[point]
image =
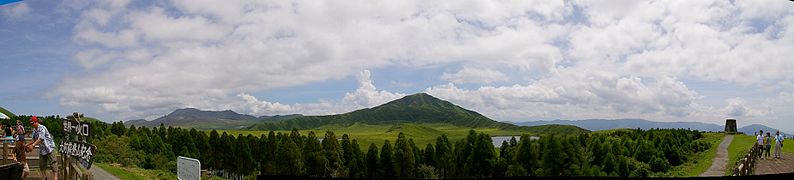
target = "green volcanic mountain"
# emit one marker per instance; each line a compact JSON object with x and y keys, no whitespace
{"x":418,"y":108}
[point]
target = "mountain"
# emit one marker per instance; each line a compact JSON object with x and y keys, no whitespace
{"x":604,"y":124}
{"x":418,"y":108}
{"x":753,"y":129}
{"x":194,"y":118}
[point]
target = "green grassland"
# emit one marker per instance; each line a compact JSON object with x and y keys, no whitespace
{"x":738,"y":148}
{"x":698,"y":162}
{"x":378,"y":133}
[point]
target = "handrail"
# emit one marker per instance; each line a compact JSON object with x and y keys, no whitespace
{"x":746,"y":165}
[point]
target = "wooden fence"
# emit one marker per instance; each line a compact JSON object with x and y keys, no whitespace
{"x":68,"y":167}
{"x":746,"y":165}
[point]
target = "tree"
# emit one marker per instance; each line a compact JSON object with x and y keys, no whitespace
{"x":429,"y":155}
{"x":244,"y":160}
{"x":443,"y":155}
{"x":332,"y":153}
{"x":214,"y":149}
{"x":357,"y":167}
{"x":290,"y":159}
{"x":553,"y":156}
{"x":482,"y":157}
{"x":269,"y":164}
{"x":372,"y":162}
{"x":118,"y":128}
{"x":347,"y":150}
{"x":314,"y":157}
{"x":527,"y":156}
{"x":386,"y":163}
{"x":404,"y":160}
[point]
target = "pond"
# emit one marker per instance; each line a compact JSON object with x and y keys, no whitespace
{"x":497,"y":140}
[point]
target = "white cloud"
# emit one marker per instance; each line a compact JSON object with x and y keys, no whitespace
{"x":475,"y":75}
{"x":571,"y":89}
{"x":623,"y":59}
{"x":736,"y":108}
{"x":365,"y":96}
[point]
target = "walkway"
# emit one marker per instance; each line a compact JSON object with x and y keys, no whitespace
{"x":100,"y":173}
{"x":720,"y":160}
{"x":775,"y":166}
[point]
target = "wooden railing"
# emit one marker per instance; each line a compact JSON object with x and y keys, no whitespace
{"x":7,"y":148}
{"x":68,"y":167}
{"x":746,"y":165}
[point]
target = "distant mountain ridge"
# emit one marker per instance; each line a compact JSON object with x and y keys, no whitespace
{"x":417,"y":108}
{"x":194,"y":118}
{"x":754,"y":128}
{"x":604,"y":124}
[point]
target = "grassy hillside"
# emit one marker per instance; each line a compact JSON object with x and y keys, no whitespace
{"x":6,"y":112}
{"x":422,"y":133}
{"x":417,"y":108}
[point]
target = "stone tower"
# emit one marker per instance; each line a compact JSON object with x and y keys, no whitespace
{"x":730,"y":126}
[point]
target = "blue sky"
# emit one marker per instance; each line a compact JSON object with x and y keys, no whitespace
{"x":702,"y":61}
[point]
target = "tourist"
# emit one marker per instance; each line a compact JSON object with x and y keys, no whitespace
{"x":19,"y":156}
{"x":778,"y":144}
{"x":760,"y":143}
{"x":8,"y":133}
{"x":46,"y":158}
{"x":767,"y":144}
{"x":20,"y":135}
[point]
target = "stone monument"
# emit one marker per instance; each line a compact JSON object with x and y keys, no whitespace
{"x":730,"y":126}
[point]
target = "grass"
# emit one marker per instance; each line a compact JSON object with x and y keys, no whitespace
{"x":740,"y":145}
{"x":788,"y":146}
{"x":422,"y":134}
{"x":698,"y":162}
{"x":135,"y":173}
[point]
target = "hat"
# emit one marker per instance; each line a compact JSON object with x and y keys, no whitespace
{"x":34,"y":119}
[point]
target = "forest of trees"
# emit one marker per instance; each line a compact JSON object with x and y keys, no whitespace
{"x":624,"y":153}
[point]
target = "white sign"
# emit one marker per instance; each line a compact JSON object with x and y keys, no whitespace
{"x":188,"y":168}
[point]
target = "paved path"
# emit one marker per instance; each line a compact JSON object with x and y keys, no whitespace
{"x":100,"y":173}
{"x":775,"y":166}
{"x":720,"y":160}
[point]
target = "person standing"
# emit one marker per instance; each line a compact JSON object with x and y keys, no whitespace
{"x":778,"y":144}
{"x":760,"y":143}
{"x":20,"y":156}
{"x":767,"y":144}
{"x":46,"y":158}
{"x":20,"y":131}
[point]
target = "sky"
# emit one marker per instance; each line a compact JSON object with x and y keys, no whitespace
{"x":511,"y":60}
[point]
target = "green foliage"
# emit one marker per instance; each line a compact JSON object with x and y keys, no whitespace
{"x":625,"y":153}
{"x":386,"y":163}
{"x":333,"y":152}
{"x":404,"y":160}
{"x":372,"y":162}
{"x":314,"y":158}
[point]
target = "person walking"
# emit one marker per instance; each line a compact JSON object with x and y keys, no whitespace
{"x":778,"y":144}
{"x":46,"y":158}
{"x":760,"y":143}
{"x":767,"y":145}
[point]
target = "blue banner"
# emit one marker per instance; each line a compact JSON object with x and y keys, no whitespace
{"x":8,"y":1}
